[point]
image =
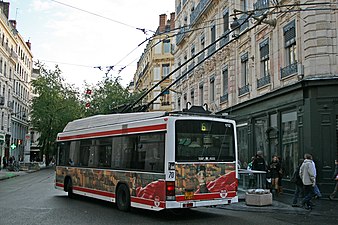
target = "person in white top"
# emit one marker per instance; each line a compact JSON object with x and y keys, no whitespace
{"x":316,"y":190}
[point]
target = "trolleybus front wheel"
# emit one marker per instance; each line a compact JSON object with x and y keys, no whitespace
{"x":123,"y":198}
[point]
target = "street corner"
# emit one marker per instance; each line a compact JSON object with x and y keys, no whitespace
{"x":7,"y":175}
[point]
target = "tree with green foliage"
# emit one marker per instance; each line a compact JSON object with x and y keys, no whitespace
{"x":107,"y":96}
{"x":54,"y":105}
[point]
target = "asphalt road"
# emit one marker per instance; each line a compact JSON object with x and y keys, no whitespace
{"x":32,"y":199}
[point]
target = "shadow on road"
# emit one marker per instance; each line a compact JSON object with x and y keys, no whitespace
{"x":165,"y":215}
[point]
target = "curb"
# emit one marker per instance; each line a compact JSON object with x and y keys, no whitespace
{"x":276,"y":206}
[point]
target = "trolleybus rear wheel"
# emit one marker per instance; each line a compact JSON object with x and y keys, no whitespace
{"x":123,"y":198}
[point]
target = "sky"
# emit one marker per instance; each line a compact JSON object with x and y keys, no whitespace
{"x":79,"y":35}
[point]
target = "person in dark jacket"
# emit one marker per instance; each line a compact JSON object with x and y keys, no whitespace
{"x":259,"y":162}
{"x":297,"y":180}
{"x":335,"y":177}
{"x":274,"y":168}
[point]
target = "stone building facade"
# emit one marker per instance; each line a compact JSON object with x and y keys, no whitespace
{"x":16,"y":61}
{"x":155,"y":63}
{"x":278,"y":79}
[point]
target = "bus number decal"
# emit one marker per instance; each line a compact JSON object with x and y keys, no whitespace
{"x":171,"y":175}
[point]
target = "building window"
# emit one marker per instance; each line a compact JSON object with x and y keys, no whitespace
{"x":212,"y":88}
{"x":265,"y":60}
{"x":243,"y":142}
{"x":290,"y":43}
{"x":166,"y":46}
{"x":289,"y":142}
{"x":192,"y":50}
{"x":165,"y":98}
{"x":212,"y":48}
{"x":202,"y":41}
{"x":157,"y":73}
{"x":158,"y":48}
{"x":165,"y":70}
{"x":192,"y":96}
{"x":226,"y":20}
{"x":201,"y":92}
{"x":225,"y":77}
{"x":244,"y":5}
{"x":260,"y":127}
{"x":244,"y":69}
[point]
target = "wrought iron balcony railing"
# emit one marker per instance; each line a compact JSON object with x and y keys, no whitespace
{"x":289,"y":70}
{"x":198,"y":11}
{"x":263,"y":81}
{"x":243,"y":90}
{"x":224,"y":98}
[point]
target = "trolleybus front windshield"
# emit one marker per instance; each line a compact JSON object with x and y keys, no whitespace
{"x":203,"y":140}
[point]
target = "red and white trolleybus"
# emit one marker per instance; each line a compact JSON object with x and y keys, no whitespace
{"x":152,"y":160}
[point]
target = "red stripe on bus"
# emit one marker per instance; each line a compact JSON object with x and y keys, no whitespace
{"x":96,"y":192}
{"x":143,"y":201}
{"x":59,"y":185}
{"x":208,"y":196}
{"x":115,"y":132}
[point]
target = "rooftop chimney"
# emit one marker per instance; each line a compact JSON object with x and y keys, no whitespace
{"x":5,"y":8}
{"x":13,"y":22}
{"x":163,"y":20}
{"x":29,"y":45}
{"x":172,"y":21}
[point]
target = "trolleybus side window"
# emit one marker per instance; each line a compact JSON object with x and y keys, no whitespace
{"x":204,"y":141}
{"x":135,"y":152}
{"x":63,"y":154}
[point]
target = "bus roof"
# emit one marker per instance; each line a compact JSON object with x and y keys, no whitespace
{"x":110,"y":119}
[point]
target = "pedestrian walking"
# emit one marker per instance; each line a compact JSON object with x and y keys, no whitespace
{"x":335,"y":177}
{"x":4,"y":162}
{"x":297,"y":180}
{"x":252,"y":182}
{"x":273,"y":169}
{"x":317,"y":193}
{"x":259,"y":165}
{"x":306,"y":172}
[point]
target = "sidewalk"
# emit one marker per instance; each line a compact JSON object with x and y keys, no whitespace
{"x":282,"y":204}
{"x":5,"y":174}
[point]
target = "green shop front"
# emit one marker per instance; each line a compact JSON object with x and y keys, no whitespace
{"x":301,"y":118}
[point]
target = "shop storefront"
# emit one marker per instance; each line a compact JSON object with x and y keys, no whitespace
{"x":301,"y":118}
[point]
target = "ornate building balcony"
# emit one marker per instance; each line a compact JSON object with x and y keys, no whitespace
{"x":198,"y":11}
{"x":224,"y":98}
{"x":244,"y":25}
{"x":263,"y":81}
{"x":200,"y":57}
{"x":243,"y":90}
{"x":288,"y":70}
{"x":212,"y":49}
{"x":260,"y":7}
{"x":225,"y":39}
{"x":181,"y":35}
{"x":190,"y":67}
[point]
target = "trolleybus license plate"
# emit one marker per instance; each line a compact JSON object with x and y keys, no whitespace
{"x":188,"y":195}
